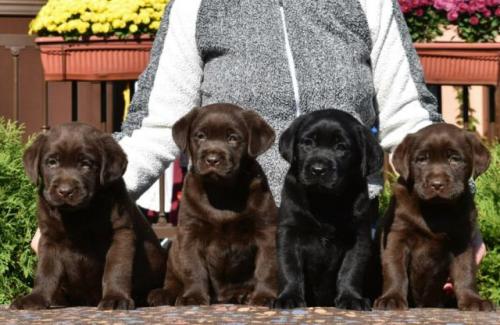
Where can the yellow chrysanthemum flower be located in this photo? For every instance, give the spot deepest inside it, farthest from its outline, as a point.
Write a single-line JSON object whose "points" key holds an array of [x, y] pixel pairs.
{"points": [[62, 17], [133, 28]]}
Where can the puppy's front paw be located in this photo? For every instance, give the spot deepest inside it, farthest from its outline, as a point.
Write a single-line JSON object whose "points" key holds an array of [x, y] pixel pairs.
{"points": [[31, 301], [475, 304], [262, 300], [392, 302], [192, 299], [289, 301], [116, 302], [347, 302], [160, 297]]}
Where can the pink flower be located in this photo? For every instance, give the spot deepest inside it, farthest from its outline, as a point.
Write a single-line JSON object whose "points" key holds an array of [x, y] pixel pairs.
{"points": [[463, 7], [419, 12], [497, 12], [452, 15], [474, 20]]}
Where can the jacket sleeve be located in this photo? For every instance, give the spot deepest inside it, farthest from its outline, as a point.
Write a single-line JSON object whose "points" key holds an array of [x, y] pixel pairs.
{"points": [[166, 90], [405, 104]]}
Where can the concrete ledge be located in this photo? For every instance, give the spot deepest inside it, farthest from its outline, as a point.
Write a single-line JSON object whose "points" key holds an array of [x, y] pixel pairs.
{"points": [[237, 314]]}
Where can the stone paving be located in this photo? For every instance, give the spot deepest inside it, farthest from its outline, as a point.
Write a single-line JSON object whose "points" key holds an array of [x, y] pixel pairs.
{"points": [[240, 315]]}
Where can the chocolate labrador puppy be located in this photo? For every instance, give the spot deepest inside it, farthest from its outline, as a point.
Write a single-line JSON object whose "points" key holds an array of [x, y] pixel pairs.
{"points": [[96, 248], [429, 226], [324, 239], [224, 251]]}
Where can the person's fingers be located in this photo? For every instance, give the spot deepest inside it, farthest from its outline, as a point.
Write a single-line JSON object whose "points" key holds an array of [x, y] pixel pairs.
{"points": [[36, 240], [480, 253]]}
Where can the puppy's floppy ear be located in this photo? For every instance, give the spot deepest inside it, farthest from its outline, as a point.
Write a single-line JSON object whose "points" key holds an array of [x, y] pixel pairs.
{"points": [[287, 139], [31, 158], [113, 160], [261, 135], [372, 155], [402, 155], [481, 156], [182, 128]]}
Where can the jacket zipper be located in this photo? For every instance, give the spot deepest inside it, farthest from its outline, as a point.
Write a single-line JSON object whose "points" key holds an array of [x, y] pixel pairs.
{"points": [[291, 62]]}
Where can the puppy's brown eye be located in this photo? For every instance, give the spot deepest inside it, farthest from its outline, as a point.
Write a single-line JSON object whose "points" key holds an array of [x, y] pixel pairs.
{"points": [[200, 136], [86, 164], [232, 138], [52, 162], [454, 158], [422, 158]]}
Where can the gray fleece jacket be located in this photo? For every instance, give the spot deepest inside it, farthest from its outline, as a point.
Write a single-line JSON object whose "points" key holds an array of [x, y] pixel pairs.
{"points": [[281, 58]]}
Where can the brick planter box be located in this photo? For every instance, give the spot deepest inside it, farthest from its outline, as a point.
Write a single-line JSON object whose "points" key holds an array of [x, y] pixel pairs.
{"points": [[94, 59]]}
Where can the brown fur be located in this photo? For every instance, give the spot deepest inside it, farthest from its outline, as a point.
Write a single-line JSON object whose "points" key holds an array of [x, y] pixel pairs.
{"points": [[96, 247], [225, 250], [431, 221]]}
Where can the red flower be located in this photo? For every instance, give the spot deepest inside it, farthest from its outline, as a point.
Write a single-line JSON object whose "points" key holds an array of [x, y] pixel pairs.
{"points": [[474, 20], [419, 12]]}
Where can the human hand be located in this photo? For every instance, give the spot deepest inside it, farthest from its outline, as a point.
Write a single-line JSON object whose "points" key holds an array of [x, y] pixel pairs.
{"points": [[479, 253]]}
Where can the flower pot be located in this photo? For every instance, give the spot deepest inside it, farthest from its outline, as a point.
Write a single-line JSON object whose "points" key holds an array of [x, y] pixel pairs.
{"points": [[95, 58], [451, 63]]}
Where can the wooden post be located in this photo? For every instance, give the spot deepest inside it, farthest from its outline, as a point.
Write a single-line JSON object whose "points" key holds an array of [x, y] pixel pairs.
{"points": [[161, 214], [465, 112], [74, 101], [15, 98], [104, 99]]}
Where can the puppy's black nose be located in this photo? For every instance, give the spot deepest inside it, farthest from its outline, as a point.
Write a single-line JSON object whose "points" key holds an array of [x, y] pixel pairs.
{"points": [[318, 169], [437, 185], [65, 190], [212, 159]]}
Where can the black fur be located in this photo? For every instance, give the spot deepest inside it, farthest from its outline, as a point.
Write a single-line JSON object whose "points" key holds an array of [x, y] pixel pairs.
{"points": [[324, 220]]}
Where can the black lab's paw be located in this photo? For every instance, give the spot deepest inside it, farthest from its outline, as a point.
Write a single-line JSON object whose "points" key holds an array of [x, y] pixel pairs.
{"points": [[289, 301], [346, 302]]}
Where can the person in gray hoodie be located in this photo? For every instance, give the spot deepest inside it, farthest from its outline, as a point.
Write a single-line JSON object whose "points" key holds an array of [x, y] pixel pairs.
{"points": [[280, 58]]}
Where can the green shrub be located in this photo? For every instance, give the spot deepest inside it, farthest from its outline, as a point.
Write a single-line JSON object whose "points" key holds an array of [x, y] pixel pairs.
{"points": [[17, 215], [488, 204]]}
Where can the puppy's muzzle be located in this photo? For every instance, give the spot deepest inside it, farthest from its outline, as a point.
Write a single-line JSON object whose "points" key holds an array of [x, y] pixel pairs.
{"points": [[320, 168], [213, 159], [67, 191], [436, 184]]}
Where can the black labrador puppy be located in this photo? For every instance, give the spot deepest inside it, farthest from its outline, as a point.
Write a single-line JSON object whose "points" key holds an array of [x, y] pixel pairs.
{"points": [[323, 236]]}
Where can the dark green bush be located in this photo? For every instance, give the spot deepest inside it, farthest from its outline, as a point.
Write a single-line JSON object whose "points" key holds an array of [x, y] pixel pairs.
{"points": [[488, 204], [17, 215]]}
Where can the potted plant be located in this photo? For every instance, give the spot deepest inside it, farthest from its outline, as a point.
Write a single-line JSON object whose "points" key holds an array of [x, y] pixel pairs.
{"points": [[457, 40], [96, 40]]}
